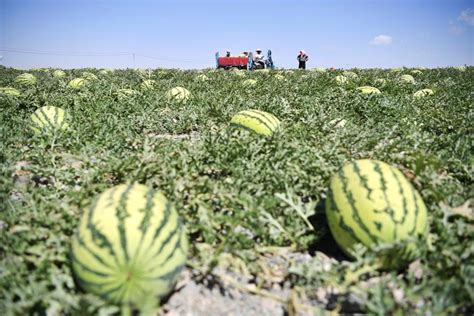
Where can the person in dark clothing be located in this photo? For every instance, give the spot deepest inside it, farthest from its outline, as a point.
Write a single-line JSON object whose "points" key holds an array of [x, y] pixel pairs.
{"points": [[302, 59]]}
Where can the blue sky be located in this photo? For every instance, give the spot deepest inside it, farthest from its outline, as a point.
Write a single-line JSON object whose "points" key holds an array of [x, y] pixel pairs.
{"points": [[187, 33]]}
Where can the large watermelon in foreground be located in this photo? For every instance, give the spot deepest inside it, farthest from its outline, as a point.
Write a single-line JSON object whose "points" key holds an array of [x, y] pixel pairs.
{"points": [[130, 246], [369, 202]]}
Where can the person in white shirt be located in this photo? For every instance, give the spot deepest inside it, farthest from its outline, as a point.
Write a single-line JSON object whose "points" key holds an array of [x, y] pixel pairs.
{"points": [[259, 59]]}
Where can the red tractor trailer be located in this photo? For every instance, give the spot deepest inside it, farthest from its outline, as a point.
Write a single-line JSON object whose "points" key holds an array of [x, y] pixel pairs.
{"points": [[244, 62]]}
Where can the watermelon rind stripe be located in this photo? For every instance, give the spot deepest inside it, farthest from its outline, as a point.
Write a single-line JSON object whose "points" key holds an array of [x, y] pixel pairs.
{"points": [[238, 125], [99, 239], [395, 174], [109, 294], [84, 267], [148, 210], [272, 118], [169, 276], [165, 242], [341, 223], [176, 247], [164, 221], [145, 222], [83, 245], [39, 122], [363, 180], [417, 209], [377, 167], [262, 117], [122, 214], [47, 119], [383, 184], [257, 119], [355, 213]]}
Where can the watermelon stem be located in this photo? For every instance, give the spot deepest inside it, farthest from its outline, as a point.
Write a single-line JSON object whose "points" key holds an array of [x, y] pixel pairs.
{"points": [[125, 310]]}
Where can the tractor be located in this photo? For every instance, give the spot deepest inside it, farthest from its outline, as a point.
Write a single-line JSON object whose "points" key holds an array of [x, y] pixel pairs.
{"points": [[244, 62]]}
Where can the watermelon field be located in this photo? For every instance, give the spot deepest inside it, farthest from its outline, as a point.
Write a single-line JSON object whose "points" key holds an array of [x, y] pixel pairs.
{"points": [[260, 204]]}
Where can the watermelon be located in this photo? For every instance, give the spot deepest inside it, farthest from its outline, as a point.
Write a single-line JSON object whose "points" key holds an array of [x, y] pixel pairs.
{"points": [[148, 84], [371, 202], [89, 76], [48, 119], [105, 71], [26, 79], [77, 83], [279, 77], [340, 79], [320, 69], [423, 93], [368, 90], [202, 78], [59, 73], [9, 91], [178, 94], [416, 72], [407, 79], [260, 122], [130, 246], [350, 74]]}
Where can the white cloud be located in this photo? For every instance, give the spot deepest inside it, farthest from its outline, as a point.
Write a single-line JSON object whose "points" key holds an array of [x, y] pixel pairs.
{"points": [[381, 40], [467, 16]]}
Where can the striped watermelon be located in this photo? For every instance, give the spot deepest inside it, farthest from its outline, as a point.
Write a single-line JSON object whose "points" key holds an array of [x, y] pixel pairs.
{"points": [[407, 79], [89, 76], [340, 79], [202, 78], [59, 73], [258, 121], [350, 74], [178, 94], [130, 246], [423, 93], [77, 83], [9, 91], [369, 202], [368, 90], [26, 79], [148, 84], [48, 119], [105, 71]]}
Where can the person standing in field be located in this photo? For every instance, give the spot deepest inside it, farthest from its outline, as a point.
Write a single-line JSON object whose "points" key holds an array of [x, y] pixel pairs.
{"points": [[302, 59]]}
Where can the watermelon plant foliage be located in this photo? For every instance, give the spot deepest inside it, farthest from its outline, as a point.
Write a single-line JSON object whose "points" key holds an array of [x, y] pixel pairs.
{"points": [[238, 193]]}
